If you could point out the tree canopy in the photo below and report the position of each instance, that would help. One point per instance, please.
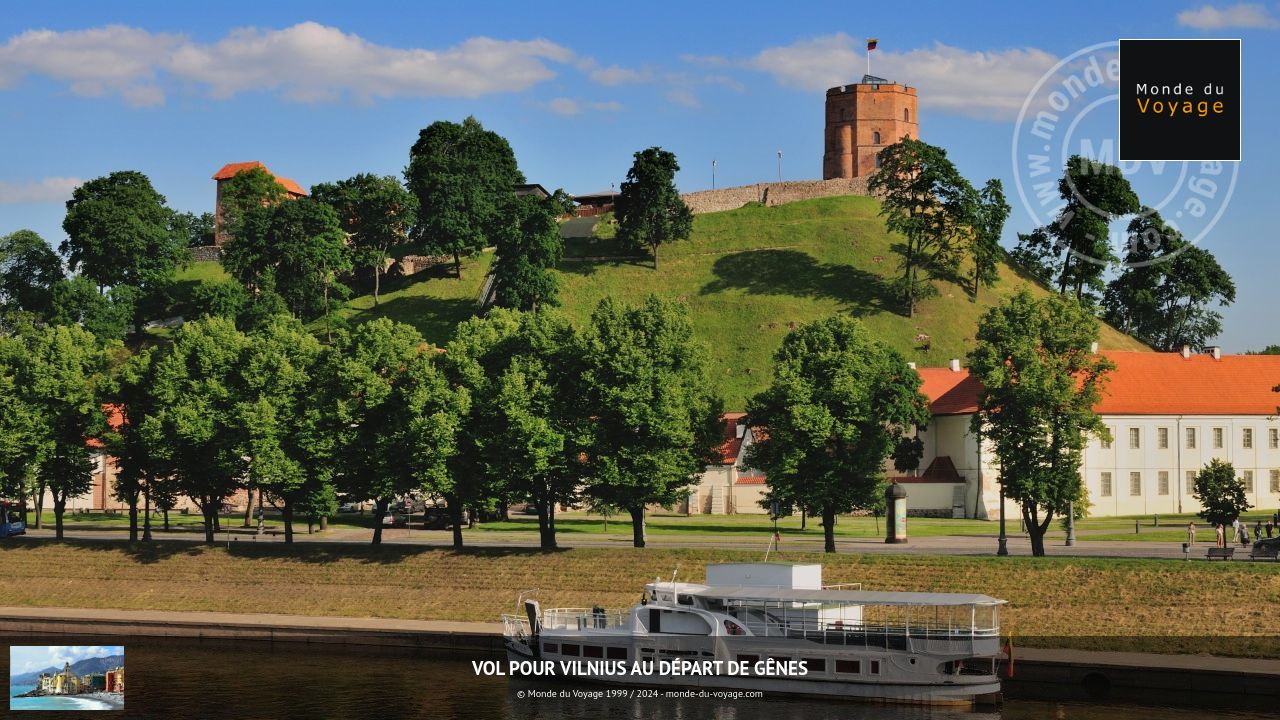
(841, 403)
(1221, 494)
(376, 213)
(529, 247)
(649, 209)
(29, 269)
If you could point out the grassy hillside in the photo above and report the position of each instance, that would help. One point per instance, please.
(747, 276)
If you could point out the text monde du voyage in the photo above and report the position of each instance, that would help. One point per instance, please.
(768, 667)
(1180, 100)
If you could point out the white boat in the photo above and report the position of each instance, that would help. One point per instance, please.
(842, 641)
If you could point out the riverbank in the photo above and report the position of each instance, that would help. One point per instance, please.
(1163, 606)
(35, 700)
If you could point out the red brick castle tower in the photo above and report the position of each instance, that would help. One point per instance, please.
(862, 120)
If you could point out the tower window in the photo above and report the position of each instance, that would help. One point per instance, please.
(906, 115)
(876, 137)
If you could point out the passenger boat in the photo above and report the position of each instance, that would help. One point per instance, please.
(777, 629)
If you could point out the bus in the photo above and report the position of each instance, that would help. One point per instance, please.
(11, 519)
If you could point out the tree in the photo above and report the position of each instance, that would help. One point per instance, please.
(133, 443)
(64, 374)
(376, 213)
(194, 230)
(1268, 350)
(225, 298)
(195, 420)
(119, 232)
(649, 209)
(1164, 294)
(654, 421)
(294, 250)
(1220, 493)
(244, 192)
(76, 301)
(28, 271)
(1040, 383)
(992, 212)
(529, 246)
(926, 200)
(841, 403)
(523, 437)
(23, 432)
(462, 175)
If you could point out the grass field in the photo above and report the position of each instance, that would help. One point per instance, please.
(1151, 605)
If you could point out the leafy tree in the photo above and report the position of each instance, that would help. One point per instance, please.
(376, 213)
(294, 250)
(23, 432)
(1040, 383)
(1220, 493)
(462, 175)
(76, 301)
(654, 421)
(649, 209)
(195, 419)
(317, 503)
(28, 271)
(529, 246)
(1164, 294)
(359, 380)
(841, 404)
(119, 233)
(523, 437)
(244, 192)
(992, 212)
(64, 374)
(224, 298)
(139, 459)
(1268, 350)
(926, 200)
(195, 230)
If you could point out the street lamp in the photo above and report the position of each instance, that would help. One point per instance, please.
(1071, 523)
(1004, 539)
(779, 166)
(713, 174)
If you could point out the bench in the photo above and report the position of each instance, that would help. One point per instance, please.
(1222, 553)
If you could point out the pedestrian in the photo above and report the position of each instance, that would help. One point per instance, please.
(1235, 531)
(1191, 533)
(1244, 534)
(1257, 531)
(1270, 527)
(1221, 532)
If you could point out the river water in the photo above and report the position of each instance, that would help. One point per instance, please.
(248, 681)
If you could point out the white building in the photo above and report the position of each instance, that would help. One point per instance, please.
(1169, 415)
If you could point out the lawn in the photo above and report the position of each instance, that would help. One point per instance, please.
(1150, 605)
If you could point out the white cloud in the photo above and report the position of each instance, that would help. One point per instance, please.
(307, 62)
(615, 75)
(683, 96)
(569, 106)
(1244, 15)
(44, 190)
(989, 85)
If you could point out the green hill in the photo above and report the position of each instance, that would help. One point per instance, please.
(747, 276)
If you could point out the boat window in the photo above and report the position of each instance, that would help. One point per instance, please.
(815, 665)
(569, 649)
(686, 600)
(781, 660)
(551, 647)
(750, 659)
(733, 628)
(592, 651)
(849, 667)
(616, 653)
(875, 667)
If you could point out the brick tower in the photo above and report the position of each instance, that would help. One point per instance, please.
(862, 120)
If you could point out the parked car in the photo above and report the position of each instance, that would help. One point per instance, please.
(1266, 548)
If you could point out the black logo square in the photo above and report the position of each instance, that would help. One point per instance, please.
(1180, 100)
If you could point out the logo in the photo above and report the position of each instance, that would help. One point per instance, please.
(1073, 110)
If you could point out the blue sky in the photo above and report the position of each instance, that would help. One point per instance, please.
(321, 92)
(29, 658)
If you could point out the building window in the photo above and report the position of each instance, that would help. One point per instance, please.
(1191, 481)
(1106, 441)
(1162, 438)
(1275, 481)
(1135, 483)
(906, 115)
(1135, 438)
(1248, 481)
(1273, 438)
(1217, 438)
(1191, 438)
(1162, 482)
(1246, 438)
(1106, 484)
(876, 137)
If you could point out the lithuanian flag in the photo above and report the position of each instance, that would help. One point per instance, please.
(871, 44)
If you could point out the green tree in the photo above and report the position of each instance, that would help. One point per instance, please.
(1165, 293)
(119, 232)
(841, 403)
(294, 250)
(77, 301)
(376, 213)
(23, 432)
(654, 421)
(926, 200)
(245, 192)
(195, 420)
(992, 212)
(225, 298)
(1040, 383)
(28, 271)
(1268, 350)
(649, 209)
(523, 437)
(1220, 493)
(195, 230)
(462, 176)
(529, 247)
(140, 461)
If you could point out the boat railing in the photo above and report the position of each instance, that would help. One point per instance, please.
(875, 634)
(515, 627)
(584, 619)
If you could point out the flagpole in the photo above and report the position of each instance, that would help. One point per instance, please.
(868, 61)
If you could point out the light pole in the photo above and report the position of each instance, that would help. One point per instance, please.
(779, 166)
(1004, 539)
(713, 174)
(1071, 523)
